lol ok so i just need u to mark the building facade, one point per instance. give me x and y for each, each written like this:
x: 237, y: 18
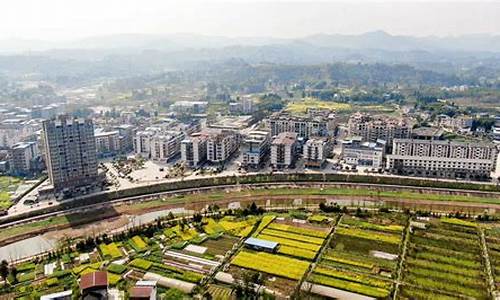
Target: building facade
x: 221, y: 144
x: 371, y: 129
x: 446, y: 159
x: 355, y: 152
x: 315, y: 151
x: 166, y: 146
x: 255, y: 148
x: 70, y: 153
x: 284, y: 150
x: 194, y: 149
x: 107, y: 142
x: 313, y: 124
x: 24, y: 159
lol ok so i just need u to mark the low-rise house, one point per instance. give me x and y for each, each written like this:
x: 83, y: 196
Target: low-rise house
x: 355, y: 152
x: 94, y: 286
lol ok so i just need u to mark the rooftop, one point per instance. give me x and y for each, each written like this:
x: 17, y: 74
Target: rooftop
x: 287, y: 138
x: 261, y: 243
x: 141, y: 292
x: 97, y: 279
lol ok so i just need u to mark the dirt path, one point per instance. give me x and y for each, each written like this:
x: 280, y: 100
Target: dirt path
x: 399, y: 276
x: 486, y: 256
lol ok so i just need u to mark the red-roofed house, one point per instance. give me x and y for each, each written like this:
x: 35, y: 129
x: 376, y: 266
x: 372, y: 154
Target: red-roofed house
x: 94, y: 286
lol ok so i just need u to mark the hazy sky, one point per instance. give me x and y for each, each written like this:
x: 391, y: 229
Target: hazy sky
x: 72, y: 19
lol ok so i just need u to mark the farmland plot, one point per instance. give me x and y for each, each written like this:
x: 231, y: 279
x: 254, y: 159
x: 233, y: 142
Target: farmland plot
x: 493, y: 244
x: 299, y: 245
x: 362, y: 257
x: 444, y: 261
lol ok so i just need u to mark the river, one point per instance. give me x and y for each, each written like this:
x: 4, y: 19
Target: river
x: 39, y: 244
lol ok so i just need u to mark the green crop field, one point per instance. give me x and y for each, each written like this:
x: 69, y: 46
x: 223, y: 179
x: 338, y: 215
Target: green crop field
x: 445, y: 260
x: 138, y: 243
x: 110, y: 251
x: 7, y: 185
x: 349, y: 263
x: 302, y: 106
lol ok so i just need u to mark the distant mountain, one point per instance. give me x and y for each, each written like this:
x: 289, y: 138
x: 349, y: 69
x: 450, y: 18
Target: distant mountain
x: 376, y: 40
x: 383, y: 41
x: 122, y: 55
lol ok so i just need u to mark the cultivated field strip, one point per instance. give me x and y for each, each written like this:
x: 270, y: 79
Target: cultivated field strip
x: 444, y: 261
x: 299, y: 245
x: 362, y: 256
x: 492, y: 238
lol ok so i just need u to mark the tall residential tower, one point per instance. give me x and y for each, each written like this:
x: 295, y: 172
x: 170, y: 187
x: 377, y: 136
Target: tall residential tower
x: 70, y: 153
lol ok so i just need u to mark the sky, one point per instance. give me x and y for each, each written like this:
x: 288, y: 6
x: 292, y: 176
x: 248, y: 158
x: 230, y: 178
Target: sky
x: 58, y: 20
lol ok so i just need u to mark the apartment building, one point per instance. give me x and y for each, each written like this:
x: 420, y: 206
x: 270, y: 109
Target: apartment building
x: 70, y: 153
x: 371, y: 129
x: 355, y: 152
x: 158, y: 144
x: 15, y: 130
x: 127, y: 133
x: 221, y: 144
x: 311, y: 124
x: 142, y: 142
x: 284, y: 150
x: 446, y: 159
x: 255, y: 148
x: 24, y: 159
x: 496, y: 130
x: 107, y: 142
x: 194, y: 149
x: 166, y: 146
x: 189, y: 107
x: 315, y: 151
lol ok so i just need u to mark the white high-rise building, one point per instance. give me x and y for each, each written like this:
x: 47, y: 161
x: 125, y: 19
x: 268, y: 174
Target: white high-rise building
x: 70, y: 153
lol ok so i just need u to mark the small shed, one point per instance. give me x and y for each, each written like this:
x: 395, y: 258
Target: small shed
x: 143, y: 293
x: 261, y: 245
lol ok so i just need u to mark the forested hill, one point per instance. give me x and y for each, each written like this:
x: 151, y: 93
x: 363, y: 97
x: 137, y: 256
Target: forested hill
x: 240, y: 74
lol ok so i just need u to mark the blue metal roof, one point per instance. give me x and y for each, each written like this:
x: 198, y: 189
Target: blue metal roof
x: 261, y: 243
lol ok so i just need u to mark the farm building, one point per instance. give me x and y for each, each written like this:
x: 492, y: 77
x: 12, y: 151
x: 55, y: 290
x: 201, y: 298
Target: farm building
x: 94, y: 285
x: 143, y: 290
x: 186, y: 287
x: 261, y: 245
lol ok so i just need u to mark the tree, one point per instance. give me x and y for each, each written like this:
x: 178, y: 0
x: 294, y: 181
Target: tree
x: 13, y: 272
x: 207, y: 296
x: 4, y: 269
